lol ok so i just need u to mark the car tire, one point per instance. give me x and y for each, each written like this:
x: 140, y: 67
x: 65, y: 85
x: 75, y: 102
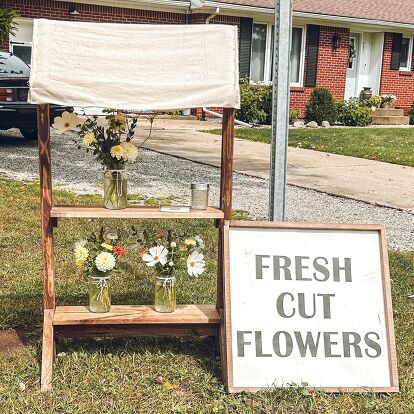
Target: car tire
x: 30, y: 134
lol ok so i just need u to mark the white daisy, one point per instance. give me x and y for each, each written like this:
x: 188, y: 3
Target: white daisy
x: 157, y: 254
x: 66, y: 122
x: 105, y: 261
x: 196, y: 264
x: 130, y: 151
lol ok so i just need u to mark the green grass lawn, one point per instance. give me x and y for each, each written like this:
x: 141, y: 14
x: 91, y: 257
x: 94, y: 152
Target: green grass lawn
x: 394, y: 145
x: 100, y: 376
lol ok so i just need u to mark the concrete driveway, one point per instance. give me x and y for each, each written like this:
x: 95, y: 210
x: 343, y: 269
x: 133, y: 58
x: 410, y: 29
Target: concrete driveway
x: 366, y: 180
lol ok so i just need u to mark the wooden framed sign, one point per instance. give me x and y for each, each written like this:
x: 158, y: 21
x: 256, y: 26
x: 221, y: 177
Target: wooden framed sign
x: 308, y: 304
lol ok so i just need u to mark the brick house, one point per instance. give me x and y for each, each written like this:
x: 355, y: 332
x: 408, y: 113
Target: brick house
x: 343, y: 45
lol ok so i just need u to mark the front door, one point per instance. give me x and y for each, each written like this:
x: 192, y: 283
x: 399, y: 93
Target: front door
x: 352, y: 69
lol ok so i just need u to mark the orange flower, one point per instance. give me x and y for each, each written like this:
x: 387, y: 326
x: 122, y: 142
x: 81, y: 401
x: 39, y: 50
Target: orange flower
x: 119, y: 250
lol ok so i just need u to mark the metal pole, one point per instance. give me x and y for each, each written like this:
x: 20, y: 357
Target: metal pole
x: 280, y: 111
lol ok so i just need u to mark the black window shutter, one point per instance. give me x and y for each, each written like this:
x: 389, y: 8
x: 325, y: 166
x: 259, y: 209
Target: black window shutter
x: 312, y: 58
x: 246, y: 27
x: 396, y: 51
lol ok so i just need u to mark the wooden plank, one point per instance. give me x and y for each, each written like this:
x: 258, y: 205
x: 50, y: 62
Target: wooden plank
x: 226, y: 190
x: 227, y: 146
x: 386, y: 281
x: 48, y: 351
x: 45, y: 174
x: 128, y: 330
x: 310, y: 226
x: 131, y: 212
x: 136, y: 315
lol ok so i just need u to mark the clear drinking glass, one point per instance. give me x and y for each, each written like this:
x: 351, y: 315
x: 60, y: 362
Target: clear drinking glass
x: 165, y: 294
x: 115, y: 188
x: 199, y: 196
x: 100, y: 293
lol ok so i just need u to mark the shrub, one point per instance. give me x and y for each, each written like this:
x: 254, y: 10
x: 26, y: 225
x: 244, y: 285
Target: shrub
x: 411, y: 114
x: 354, y: 113
x: 293, y: 116
x: 255, y: 104
x: 321, y: 107
x: 373, y: 102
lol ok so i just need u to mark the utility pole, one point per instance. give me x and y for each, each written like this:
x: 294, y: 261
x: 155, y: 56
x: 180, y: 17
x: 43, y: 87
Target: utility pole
x: 280, y: 109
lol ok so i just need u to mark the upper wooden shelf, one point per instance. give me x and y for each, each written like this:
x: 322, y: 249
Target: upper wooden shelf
x: 131, y: 212
x: 136, y: 315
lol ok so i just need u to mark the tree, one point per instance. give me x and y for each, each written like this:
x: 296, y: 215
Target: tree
x: 8, y: 26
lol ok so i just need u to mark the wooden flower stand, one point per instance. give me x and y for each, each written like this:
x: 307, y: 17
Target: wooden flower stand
x: 125, y: 320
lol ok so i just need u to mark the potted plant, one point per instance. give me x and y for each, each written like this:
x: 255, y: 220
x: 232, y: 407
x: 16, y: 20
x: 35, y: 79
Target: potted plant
x: 110, y: 143
x: 387, y: 101
x: 97, y: 257
x: 166, y: 255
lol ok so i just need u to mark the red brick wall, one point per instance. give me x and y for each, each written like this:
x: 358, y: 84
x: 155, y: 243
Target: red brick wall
x: 400, y: 84
x: 332, y: 64
x: 58, y: 10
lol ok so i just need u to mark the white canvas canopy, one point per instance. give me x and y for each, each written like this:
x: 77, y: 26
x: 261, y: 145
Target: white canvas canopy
x: 129, y: 66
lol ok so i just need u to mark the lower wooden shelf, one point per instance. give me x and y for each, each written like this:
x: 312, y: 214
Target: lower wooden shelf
x: 136, y: 320
x: 136, y: 314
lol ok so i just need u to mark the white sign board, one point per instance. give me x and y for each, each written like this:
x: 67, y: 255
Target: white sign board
x: 308, y: 305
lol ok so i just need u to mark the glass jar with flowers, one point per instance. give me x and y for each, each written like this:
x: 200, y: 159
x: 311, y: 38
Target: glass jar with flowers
x: 110, y: 143
x: 97, y: 257
x: 166, y: 255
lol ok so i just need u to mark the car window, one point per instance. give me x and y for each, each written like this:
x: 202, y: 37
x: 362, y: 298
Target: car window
x: 12, y: 67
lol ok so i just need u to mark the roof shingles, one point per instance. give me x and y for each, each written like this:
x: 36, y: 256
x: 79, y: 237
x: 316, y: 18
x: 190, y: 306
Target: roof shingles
x: 393, y: 11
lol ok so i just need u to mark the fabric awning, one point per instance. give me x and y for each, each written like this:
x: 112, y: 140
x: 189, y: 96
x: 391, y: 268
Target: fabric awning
x: 130, y: 66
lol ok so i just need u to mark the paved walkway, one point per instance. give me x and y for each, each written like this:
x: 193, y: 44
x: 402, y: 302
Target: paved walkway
x: 366, y: 180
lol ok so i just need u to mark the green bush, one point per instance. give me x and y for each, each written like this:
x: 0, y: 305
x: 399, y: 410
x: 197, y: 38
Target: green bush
x: 373, y: 102
x: 321, y: 107
x: 411, y: 114
x: 293, y: 116
x: 255, y: 104
x: 354, y: 113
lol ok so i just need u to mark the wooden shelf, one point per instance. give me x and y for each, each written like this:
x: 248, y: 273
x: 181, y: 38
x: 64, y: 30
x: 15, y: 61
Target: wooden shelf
x: 136, y: 315
x: 131, y: 212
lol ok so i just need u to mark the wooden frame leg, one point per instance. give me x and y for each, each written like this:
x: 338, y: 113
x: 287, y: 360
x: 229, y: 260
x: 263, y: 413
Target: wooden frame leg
x: 48, y: 351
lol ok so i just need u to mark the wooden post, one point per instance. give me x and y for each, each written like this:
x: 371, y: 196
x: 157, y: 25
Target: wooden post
x: 226, y: 184
x: 226, y: 191
x: 45, y: 173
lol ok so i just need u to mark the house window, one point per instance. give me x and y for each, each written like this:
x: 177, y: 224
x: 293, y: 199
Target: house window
x: 261, y: 67
x: 406, y: 53
x: 23, y: 51
x: 259, y: 40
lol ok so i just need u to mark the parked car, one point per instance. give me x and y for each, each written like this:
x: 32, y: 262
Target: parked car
x: 15, y: 111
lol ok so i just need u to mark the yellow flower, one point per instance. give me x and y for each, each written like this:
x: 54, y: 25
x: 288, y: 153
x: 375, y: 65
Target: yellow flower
x: 190, y: 242
x: 117, y: 152
x: 119, y: 121
x: 88, y: 138
x: 81, y: 254
x: 130, y: 151
x: 106, y: 246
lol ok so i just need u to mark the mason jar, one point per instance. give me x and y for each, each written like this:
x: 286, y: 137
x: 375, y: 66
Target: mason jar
x: 100, y: 293
x: 165, y: 294
x: 199, y: 196
x: 115, y: 188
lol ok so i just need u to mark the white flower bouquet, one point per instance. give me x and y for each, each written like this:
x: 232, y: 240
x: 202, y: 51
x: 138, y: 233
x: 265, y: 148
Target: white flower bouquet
x: 165, y: 255
x: 97, y: 257
x: 110, y: 143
